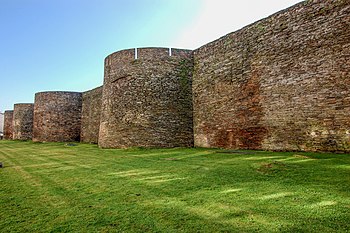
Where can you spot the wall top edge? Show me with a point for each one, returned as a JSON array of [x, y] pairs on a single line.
[[276, 14], [23, 104], [93, 89], [58, 92], [131, 51]]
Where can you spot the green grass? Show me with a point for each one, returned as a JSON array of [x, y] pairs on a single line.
[[52, 187]]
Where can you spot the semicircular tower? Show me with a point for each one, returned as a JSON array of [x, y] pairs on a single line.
[[147, 99], [57, 116], [23, 121], [8, 125]]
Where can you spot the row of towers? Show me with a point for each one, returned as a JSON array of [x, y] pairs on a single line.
[[145, 101], [55, 116], [281, 83]]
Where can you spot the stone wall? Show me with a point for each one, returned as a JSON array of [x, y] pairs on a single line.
[[90, 115], [1, 122], [8, 125], [57, 116], [281, 83], [23, 121], [147, 102]]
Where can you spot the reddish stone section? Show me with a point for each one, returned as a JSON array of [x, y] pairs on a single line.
[[8, 125], [23, 121], [90, 115], [57, 116], [281, 83], [147, 102]]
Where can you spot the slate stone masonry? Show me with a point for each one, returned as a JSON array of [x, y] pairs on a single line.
[[147, 102], [281, 83], [8, 125], [57, 116], [23, 121], [90, 115]]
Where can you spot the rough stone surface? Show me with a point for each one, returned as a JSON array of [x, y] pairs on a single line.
[[8, 125], [23, 121], [57, 116], [281, 83], [147, 102], [90, 115], [1, 122]]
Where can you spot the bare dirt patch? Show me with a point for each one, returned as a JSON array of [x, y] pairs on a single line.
[[274, 166], [302, 157]]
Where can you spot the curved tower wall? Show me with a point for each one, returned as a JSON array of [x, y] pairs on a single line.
[[57, 116], [147, 102], [23, 121], [90, 115], [8, 125], [1, 122]]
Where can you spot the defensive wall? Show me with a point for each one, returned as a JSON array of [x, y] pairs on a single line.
[[8, 125], [1, 122], [23, 121], [147, 99], [281, 83], [57, 116], [90, 115]]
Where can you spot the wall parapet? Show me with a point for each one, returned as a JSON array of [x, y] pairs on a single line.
[[154, 53]]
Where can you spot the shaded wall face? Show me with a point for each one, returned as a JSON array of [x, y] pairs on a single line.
[[57, 116], [23, 121], [90, 116], [8, 125], [280, 84], [147, 102], [1, 123]]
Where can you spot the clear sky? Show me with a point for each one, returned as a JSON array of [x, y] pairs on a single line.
[[48, 45]]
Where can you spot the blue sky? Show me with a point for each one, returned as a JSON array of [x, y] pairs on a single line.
[[48, 45]]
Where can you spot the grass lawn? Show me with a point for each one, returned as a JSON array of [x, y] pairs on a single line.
[[53, 187]]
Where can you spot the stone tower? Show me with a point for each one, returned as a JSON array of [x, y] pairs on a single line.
[[57, 116], [23, 121], [8, 125], [147, 99]]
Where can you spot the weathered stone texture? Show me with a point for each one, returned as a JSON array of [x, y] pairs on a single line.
[[8, 125], [147, 102], [23, 121], [90, 115], [57, 116], [1, 122], [281, 83]]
